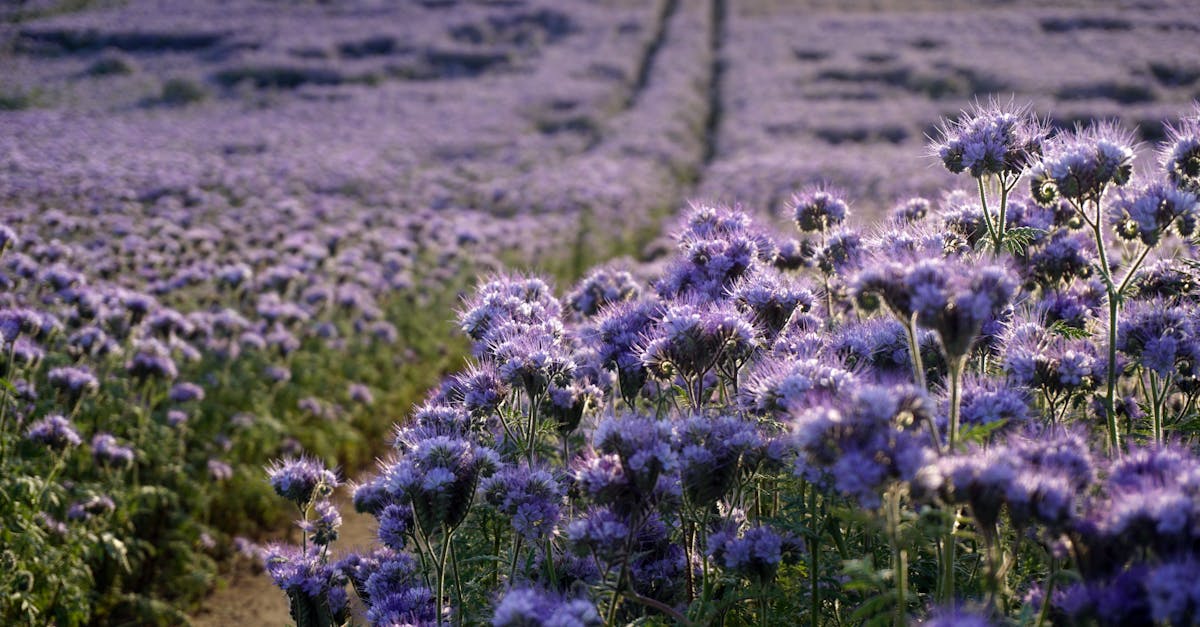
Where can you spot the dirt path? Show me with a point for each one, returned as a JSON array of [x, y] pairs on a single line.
[[250, 599]]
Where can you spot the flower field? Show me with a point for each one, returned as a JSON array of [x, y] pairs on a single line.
[[599, 312]]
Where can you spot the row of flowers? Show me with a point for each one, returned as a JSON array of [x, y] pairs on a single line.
[[974, 414]]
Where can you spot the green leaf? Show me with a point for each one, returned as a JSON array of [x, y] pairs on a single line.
[[981, 433], [115, 549], [1059, 327], [1017, 239]]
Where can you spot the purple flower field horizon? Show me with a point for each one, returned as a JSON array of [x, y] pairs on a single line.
[[599, 312]]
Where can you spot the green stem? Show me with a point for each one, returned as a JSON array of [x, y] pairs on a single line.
[[899, 557], [914, 351], [993, 231], [1110, 397], [949, 551], [814, 612], [458, 589], [441, 575], [957, 365], [1044, 612], [1005, 188]]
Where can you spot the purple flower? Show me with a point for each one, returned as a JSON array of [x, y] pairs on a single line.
[[717, 246], [108, 452], [438, 477], [1079, 166], [395, 593], [504, 301], [300, 479], [643, 445], [322, 529], [818, 209], [186, 392], [395, 523], [73, 381], [54, 432], [530, 607], [692, 338], [90, 507], [1157, 335], [1039, 359], [755, 554], [910, 211], [531, 498], [987, 400], [617, 334], [219, 470], [1148, 212], [1064, 256], [860, 443], [779, 384], [992, 139], [360, 394], [601, 532], [532, 361], [152, 359], [710, 451], [771, 297], [1180, 155], [956, 617], [602, 287]]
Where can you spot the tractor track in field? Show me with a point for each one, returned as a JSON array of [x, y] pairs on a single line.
[[712, 124], [646, 65]]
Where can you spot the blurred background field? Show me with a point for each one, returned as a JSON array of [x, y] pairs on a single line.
[[283, 198]]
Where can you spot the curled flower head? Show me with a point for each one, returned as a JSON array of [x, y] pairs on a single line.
[[300, 479], [693, 337], [710, 450], [770, 297], [54, 432], [910, 211], [601, 287], [643, 445], [1080, 166], [992, 139], [74, 382], [861, 443], [108, 452], [530, 607], [1158, 336], [818, 209], [531, 498], [438, 476], [1148, 212], [755, 554], [1180, 155]]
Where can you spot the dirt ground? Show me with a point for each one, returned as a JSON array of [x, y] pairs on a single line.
[[250, 599]]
